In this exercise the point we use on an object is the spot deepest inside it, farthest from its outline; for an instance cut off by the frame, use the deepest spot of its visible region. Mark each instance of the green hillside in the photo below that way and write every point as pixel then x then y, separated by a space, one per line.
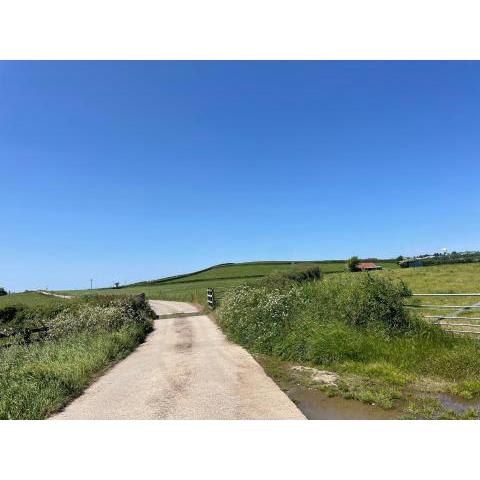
pixel 192 287
pixel 248 270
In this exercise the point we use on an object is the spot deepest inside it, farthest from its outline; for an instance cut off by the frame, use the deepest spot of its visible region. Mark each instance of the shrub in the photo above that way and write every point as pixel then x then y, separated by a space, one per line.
pixel 88 313
pixel 254 313
pixel 85 337
pixel 362 300
pixel 354 324
pixel 257 316
pixel 100 312
pixel 17 317
pixel 8 314
pixel 340 319
pixel 3 292
pixel 297 274
pixel 305 273
pixel 352 263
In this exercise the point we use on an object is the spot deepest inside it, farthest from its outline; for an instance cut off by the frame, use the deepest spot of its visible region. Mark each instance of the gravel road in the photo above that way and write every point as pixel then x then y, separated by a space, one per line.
pixel 186 369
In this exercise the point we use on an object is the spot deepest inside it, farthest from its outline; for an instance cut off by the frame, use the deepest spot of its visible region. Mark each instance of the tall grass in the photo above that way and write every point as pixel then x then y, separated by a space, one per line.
pixel 83 339
pixel 350 322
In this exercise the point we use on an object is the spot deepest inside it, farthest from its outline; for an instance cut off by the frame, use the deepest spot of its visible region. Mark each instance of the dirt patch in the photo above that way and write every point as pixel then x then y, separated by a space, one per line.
pixel 321 376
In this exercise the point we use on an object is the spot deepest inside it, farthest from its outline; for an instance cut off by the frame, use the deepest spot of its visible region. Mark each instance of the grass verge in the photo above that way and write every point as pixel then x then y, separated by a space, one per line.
pixel 38 379
pixel 357 327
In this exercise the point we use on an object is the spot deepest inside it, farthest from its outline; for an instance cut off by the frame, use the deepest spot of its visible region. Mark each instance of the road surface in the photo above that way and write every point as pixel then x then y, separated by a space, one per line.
pixel 186 369
pixel 50 294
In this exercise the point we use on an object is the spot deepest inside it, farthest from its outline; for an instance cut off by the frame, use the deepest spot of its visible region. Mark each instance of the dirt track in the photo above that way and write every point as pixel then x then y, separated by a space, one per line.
pixel 185 370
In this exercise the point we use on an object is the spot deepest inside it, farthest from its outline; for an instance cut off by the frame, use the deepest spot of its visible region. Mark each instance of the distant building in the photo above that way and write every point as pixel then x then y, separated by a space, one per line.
pixel 367 266
pixel 414 262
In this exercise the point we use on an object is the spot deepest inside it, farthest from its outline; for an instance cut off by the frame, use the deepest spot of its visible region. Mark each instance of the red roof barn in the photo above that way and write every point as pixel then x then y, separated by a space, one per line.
pixel 366 266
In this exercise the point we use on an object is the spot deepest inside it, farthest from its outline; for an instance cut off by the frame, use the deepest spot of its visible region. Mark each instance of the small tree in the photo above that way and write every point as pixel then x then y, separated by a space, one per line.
pixel 399 258
pixel 352 263
pixel 2 292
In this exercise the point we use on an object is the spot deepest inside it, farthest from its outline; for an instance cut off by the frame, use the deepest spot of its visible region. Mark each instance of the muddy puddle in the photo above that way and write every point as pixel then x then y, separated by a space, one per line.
pixel 457 404
pixel 315 405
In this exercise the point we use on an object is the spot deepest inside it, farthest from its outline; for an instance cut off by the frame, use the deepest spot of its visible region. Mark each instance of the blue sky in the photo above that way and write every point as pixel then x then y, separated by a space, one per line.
pixel 134 170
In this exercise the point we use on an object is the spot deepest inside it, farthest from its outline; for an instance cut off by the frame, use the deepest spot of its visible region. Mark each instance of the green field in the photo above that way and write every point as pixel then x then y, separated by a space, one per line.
pixel 459 278
pixel 192 287
pixel 30 299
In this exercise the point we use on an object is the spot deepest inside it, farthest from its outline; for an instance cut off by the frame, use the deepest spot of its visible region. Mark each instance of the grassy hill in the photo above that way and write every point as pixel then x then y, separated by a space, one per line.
pixel 249 270
pixel 192 287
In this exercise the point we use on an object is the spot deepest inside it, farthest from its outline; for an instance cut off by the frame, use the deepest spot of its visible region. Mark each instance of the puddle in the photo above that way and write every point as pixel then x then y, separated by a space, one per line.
pixel 457 404
pixel 315 405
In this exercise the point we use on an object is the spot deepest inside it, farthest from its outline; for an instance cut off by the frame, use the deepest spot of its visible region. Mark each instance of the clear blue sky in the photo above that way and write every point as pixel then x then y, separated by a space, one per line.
pixel 134 170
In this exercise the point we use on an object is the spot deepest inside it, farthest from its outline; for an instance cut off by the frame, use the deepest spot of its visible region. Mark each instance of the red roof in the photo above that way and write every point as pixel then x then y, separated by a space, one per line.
pixel 366 265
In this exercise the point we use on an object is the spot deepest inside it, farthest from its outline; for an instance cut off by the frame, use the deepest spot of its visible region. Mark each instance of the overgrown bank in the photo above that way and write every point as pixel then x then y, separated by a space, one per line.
pixel 84 337
pixel 356 326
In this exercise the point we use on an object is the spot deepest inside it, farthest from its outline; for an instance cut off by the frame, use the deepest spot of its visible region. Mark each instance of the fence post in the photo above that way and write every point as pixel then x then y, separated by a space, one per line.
pixel 211 298
pixel 26 336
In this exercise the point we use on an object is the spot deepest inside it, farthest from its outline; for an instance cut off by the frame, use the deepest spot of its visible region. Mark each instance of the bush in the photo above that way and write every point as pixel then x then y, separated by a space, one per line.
pixel 342 318
pixel 362 300
pixel 88 313
pixel 15 317
pixel 85 336
pixel 8 314
pixel 352 263
pixel 99 312
pixel 3 292
pixel 357 326
pixel 308 273
pixel 257 316
pixel 297 274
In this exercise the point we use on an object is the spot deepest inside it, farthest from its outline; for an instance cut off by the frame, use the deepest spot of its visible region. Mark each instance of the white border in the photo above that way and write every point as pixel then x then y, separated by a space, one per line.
pixel 222 29
pixel 246 29
pixel 239 449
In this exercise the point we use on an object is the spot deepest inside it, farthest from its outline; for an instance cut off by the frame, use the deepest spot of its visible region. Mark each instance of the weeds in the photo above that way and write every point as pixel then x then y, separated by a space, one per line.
pixel 432 409
pixel 468 389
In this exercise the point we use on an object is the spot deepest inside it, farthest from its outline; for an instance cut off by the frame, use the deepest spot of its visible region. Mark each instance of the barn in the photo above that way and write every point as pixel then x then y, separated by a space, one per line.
pixel 367 266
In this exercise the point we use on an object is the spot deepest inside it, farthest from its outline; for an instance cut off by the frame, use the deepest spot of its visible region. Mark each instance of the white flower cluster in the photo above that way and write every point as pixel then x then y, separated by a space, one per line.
pixel 257 314
pixel 91 318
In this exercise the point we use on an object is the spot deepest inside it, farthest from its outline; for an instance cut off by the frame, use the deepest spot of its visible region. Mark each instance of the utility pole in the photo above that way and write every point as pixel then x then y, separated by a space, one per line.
pixel 91 284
